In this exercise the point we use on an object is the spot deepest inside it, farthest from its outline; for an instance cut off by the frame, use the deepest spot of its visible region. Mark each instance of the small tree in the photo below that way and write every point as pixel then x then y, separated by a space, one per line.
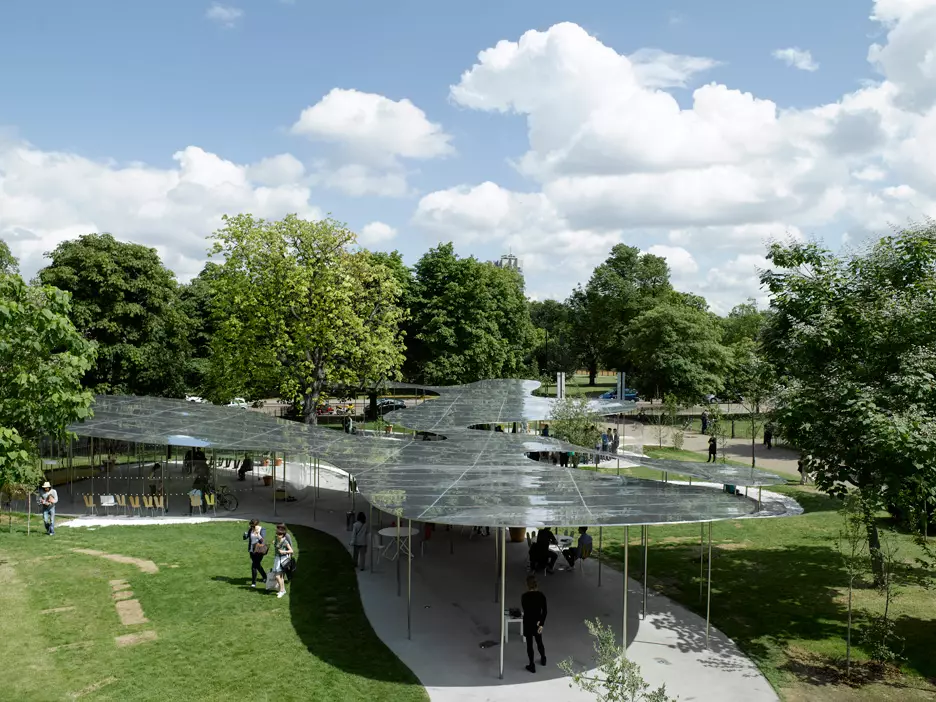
pixel 720 428
pixel 880 637
pixel 671 407
pixel 571 419
pixel 852 545
pixel 618 679
pixel 19 476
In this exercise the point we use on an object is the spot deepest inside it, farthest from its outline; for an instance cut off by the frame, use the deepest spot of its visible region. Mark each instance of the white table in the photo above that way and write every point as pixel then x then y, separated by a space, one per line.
pixel 391 533
pixel 508 620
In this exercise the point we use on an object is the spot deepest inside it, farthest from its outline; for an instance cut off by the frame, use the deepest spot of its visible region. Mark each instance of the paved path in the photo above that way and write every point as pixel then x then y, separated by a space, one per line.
pixel 453 613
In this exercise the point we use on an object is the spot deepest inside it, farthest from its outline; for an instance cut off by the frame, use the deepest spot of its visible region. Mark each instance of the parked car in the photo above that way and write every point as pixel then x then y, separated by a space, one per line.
pixel 629 395
pixel 195 398
pixel 710 399
pixel 239 402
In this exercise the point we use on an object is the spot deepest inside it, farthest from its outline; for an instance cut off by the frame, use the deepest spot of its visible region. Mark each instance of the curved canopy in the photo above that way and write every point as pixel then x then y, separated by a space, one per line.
pixel 471 477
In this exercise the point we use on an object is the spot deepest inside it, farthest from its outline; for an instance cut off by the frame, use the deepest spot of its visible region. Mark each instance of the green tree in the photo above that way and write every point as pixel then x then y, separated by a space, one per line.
pixel 744 322
pixel 195 298
pixel 571 419
pixel 618 678
pixel 675 348
pixel 752 382
pixel 297 310
pixel 42 361
pixel 854 341
pixel 8 262
pixel 469 320
pixel 627 283
pixel 552 343
pixel 127 301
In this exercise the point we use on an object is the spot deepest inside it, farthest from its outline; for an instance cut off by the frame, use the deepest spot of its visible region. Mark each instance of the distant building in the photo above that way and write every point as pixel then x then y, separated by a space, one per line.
pixel 510 261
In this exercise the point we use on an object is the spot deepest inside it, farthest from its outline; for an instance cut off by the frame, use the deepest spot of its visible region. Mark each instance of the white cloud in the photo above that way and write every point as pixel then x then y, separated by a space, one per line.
pixel 372 133
pixel 47 197
pixel 617 158
pixel 277 170
pixel 659 69
pixel 224 15
pixel 680 261
pixel 794 57
pixel 376 234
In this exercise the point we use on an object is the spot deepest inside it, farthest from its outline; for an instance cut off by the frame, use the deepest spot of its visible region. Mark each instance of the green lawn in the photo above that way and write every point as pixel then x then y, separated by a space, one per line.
pixel 778 590
pixel 217 638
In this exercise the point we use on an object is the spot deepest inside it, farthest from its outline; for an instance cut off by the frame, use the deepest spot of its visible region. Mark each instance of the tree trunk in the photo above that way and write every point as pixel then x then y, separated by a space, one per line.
pixel 309 415
pixel 28 514
pixel 851 584
pixel 874 547
pixel 592 374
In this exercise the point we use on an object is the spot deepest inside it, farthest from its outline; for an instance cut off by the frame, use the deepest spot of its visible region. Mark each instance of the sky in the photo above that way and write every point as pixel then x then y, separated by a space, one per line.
pixel 553 130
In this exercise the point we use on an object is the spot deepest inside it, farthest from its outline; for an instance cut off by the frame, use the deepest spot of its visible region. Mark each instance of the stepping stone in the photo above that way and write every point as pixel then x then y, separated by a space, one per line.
pixel 123 595
pixel 130 612
pixel 70 646
pixel 93 688
pixel 56 610
pixel 137 638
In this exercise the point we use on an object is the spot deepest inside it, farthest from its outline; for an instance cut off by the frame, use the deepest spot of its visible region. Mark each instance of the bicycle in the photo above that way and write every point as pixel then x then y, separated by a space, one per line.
pixel 225 498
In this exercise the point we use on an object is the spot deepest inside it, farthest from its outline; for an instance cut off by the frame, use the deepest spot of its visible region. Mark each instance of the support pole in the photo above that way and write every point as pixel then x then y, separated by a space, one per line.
pixel 500 608
pixel 398 555
pixel 626 553
pixel 409 579
pixel 497 560
pixel 708 604
pixel 701 560
pixel 599 556
pixel 646 539
pixel 370 535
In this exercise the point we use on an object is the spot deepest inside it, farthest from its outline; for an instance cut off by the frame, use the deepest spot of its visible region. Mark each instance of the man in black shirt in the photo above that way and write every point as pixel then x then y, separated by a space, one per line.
pixel 540 555
pixel 533 603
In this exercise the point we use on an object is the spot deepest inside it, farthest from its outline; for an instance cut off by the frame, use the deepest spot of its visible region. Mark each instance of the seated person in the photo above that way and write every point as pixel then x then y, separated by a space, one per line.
pixel 540 554
pixel 583 550
pixel 246 467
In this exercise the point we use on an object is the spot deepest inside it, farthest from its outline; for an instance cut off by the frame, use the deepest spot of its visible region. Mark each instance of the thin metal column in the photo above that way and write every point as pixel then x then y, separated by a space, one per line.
pixel 274 482
pixel 398 555
pixel 409 579
pixel 500 608
pixel 497 560
pixel 701 559
pixel 370 535
pixel 599 556
pixel 708 605
pixel 646 539
pixel 626 552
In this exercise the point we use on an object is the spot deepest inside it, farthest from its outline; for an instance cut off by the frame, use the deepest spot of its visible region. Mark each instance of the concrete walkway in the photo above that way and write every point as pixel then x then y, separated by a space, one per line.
pixel 455 620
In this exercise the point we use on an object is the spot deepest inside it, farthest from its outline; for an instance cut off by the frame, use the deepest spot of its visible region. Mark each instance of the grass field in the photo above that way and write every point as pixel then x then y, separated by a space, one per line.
pixel 779 590
pixel 217 639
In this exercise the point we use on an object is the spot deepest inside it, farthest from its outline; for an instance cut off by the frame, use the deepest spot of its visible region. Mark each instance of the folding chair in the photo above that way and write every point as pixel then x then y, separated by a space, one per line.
pixel 122 502
pixel 195 502
pixel 89 503
pixel 585 555
pixel 108 501
pixel 148 503
pixel 158 502
pixel 135 505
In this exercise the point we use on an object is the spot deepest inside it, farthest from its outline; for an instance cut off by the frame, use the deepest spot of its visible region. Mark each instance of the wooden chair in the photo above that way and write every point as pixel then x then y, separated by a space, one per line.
pixel 149 504
pixel 89 503
pixel 159 503
pixel 195 501
pixel 584 556
pixel 122 502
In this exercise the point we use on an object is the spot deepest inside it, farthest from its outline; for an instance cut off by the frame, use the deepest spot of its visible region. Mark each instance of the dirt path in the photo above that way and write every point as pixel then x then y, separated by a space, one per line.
pixel 780 460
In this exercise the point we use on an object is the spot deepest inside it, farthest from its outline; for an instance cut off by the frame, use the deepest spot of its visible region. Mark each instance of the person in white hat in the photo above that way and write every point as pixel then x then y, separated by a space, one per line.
pixel 47 499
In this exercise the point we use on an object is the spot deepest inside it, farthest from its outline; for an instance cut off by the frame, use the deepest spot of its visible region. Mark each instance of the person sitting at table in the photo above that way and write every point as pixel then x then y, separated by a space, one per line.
pixel 246 467
pixel 583 550
pixel 541 556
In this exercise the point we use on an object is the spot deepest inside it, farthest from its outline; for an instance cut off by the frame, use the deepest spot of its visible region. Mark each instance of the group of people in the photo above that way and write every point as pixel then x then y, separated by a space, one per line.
pixel 542 557
pixel 283 555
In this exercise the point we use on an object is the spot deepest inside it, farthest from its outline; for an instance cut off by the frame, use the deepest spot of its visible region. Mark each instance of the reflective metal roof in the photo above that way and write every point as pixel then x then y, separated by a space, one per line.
pixel 472 477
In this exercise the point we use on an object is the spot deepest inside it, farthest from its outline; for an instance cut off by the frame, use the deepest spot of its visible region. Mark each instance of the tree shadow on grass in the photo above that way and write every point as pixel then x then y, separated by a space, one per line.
pixel 326 612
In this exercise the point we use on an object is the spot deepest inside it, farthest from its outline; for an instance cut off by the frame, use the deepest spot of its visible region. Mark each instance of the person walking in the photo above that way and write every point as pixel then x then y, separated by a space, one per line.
pixel 533 604
pixel 712 450
pixel 47 499
pixel 257 548
pixel 283 551
pixel 768 435
pixel 359 540
pixel 704 421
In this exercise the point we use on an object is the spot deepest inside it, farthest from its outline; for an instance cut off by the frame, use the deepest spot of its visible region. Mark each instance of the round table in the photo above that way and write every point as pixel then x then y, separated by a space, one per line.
pixel 391 532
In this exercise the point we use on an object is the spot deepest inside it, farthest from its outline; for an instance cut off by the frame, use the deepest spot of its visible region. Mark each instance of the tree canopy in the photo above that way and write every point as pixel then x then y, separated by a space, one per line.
pixel 42 361
pixel 127 301
pixel 8 262
pixel 296 310
pixel 675 348
pixel 469 320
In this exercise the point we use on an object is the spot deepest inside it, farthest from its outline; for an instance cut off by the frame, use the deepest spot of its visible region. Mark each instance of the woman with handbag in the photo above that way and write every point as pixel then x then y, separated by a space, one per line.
pixel 257 548
pixel 283 552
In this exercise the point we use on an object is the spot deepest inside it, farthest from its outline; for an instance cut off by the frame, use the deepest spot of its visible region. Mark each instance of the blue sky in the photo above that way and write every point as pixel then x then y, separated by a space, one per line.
pixel 122 83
